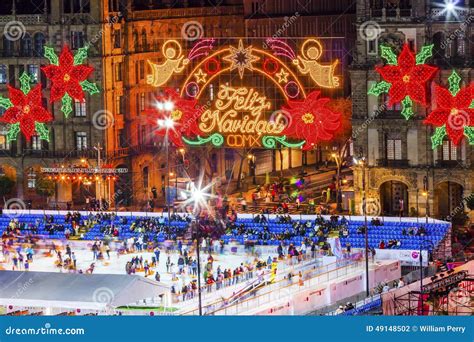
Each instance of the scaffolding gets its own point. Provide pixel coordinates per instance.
(448, 293)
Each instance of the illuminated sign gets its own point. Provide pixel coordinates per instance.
(239, 115)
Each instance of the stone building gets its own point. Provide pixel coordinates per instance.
(400, 163)
(27, 27)
(139, 36)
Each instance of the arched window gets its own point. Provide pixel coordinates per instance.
(26, 48)
(135, 40)
(8, 47)
(145, 175)
(39, 42)
(144, 42)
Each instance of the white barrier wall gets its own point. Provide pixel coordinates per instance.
(322, 295)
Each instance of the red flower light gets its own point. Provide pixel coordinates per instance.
(453, 111)
(26, 110)
(66, 77)
(185, 115)
(311, 120)
(407, 78)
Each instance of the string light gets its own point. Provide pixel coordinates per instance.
(68, 75)
(25, 112)
(453, 113)
(405, 77)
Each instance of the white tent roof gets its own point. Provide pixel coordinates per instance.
(75, 291)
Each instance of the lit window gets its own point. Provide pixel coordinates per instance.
(36, 143)
(79, 108)
(3, 74)
(33, 71)
(81, 140)
(394, 149)
(450, 151)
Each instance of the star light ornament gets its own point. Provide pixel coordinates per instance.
(454, 113)
(68, 75)
(25, 112)
(404, 78)
(241, 58)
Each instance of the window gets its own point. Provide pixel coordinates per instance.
(450, 151)
(34, 72)
(35, 143)
(77, 39)
(81, 140)
(26, 47)
(117, 38)
(4, 144)
(120, 104)
(394, 149)
(122, 138)
(118, 72)
(142, 102)
(145, 177)
(144, 42)
(39, 42)
(372, 47)
(143, 135)
(142, 70)
(3, 74)
(79, 108)
(31, 183)
(8, 47)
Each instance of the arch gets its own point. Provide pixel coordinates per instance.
(8, 46)
(448, 198)
(39, 40)
(394, 178)
(26, 45)
(144, 40)
(394, 198)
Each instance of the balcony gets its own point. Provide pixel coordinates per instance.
(26, 19)
(449, 163)
(440, 14)
(49, 154)
(392, 162)
(391, 14)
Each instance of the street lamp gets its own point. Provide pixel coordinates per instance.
(167, 123)
(361, 162)
(198, 197)
(338, 161)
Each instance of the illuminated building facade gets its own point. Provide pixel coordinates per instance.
(140, 36)
(27, 28)
(402, 170)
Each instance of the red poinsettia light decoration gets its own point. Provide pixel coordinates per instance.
(312, 120)
(176, 117)
(68, 76)
(25, 112)
(453, 113)
(405, 77)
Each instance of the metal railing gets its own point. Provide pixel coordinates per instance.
(281, 289)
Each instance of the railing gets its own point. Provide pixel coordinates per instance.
(440, 14)
(448, 163)
(393, 162)
(274, 292)
(187, 12)
(28, 19)
(211, 289)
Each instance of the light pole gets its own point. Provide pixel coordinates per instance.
(366, 227)
(199, 200)
(98, 149)
(423, 243)
(338, 161)
(168, 124)
(426, 193)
